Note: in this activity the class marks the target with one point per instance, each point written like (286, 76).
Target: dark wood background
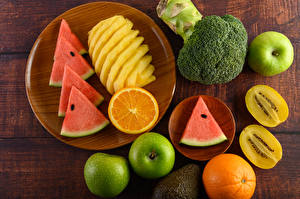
(33, 164)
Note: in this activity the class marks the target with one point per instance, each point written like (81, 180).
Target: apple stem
(152, 155)
(275, 53)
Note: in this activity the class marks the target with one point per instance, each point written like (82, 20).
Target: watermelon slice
(202, 129)
(73, 79)
(82, 116)
(66, 32)
(67, 54)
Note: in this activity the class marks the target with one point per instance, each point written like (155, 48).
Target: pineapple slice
(146, 81)
(123, 57)
(146, 73)
(105, 36)
(97, 31)
(114, 53)
(94, 30)
(119, 82)
(140, 67)
(113, 41)
(118, 55)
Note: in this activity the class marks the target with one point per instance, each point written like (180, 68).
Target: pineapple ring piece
(129, 66)
(113, 41)
(114, 54)
(124, 56)
(118, 54)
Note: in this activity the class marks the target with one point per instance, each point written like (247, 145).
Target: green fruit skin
(106, 175)
(260, 57)
(140, 151)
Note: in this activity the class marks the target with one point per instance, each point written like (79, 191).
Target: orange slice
(133, 110)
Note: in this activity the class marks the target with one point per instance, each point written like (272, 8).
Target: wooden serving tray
(44, 100)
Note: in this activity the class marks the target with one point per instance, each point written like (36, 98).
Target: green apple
(270, 53)
(106, 175)
(151, 156)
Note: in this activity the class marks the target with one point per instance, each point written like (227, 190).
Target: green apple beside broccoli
(270, 53)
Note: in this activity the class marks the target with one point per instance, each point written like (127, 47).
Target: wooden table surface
(33, 164)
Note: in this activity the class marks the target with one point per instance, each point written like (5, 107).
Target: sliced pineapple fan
(118, 55)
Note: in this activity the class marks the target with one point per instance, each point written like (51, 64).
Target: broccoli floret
(215, 52)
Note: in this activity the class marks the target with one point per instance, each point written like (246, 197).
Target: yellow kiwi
(266, 105)
(260, 146)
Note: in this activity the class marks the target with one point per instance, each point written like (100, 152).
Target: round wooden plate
(44, 100)
(180, 117)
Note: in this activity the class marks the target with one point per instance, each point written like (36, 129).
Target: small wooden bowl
(180, 117)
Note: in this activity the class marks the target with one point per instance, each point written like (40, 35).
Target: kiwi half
(266, 105)
(260, 146)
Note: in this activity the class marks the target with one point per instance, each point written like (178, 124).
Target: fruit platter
(180, 100)
(43, 82)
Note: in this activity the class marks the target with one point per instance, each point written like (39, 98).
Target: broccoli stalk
(180, 15)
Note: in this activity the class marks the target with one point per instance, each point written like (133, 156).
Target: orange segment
(133, 110)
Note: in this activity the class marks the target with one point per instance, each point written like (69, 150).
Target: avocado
(180, 184)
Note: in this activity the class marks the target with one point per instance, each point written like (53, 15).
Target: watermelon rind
(61, 114)
(211, 142)
(70, 79)
(55, 84)
(88, 74)
(83, 52)
(84, 76)
(99, 101)
(84, 133)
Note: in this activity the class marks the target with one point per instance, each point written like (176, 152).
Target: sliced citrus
(133, 110)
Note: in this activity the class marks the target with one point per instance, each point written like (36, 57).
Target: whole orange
(229, 176)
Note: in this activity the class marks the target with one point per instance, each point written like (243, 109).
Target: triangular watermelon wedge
(73, 79)
(66, 32)
(82, 116)
(67, 54)
(202, 129)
